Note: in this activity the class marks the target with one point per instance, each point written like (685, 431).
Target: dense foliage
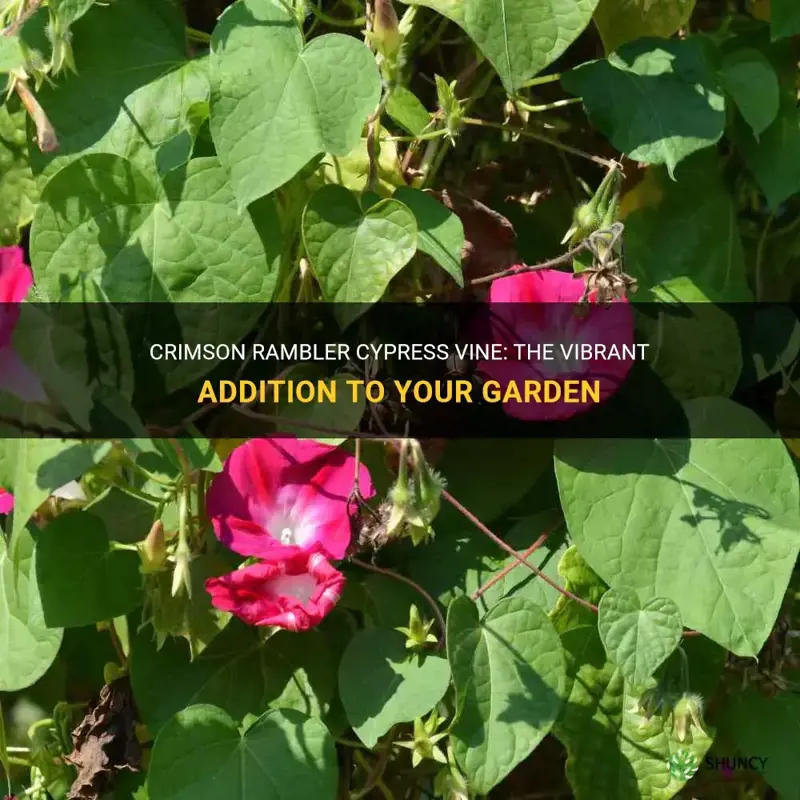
(269, 618)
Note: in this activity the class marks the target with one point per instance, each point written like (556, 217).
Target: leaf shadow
(730, 515)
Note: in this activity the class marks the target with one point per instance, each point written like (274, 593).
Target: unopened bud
(182, 577)
(386, 30)
(153, 550)
(688, 712)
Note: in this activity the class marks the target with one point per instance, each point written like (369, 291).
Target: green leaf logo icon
(682, 765)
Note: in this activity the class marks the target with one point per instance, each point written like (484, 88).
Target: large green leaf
(27, 646)
(774, 158)
(441, 233)
(134, 87)
(275, 103)
(767, 727)
(509, 673)
(638, 637)
(751, 81)
(785, 18)
(615, 751)
(657, 100)
(622, 21)
(288, 671)
(20, 194)
(356, 250)
(82, 579)
(381, 683)
(33, 468)
(102, 223)
(686, 519)
(519, 37)
(689, 233)
(201, 755)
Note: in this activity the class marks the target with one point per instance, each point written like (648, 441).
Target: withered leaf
(105, 742)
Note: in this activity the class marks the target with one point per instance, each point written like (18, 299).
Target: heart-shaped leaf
(201, 755)
(510, 677)
(133, 89)
(82, 579)
(356, 251)
(102, 221)
(657, 100)
(519, 37)
(638, 638)
(441, 232)
(622, 21)
(684, 519)
(27, 646)
(752, 82)
(275, 103)
(381, 683)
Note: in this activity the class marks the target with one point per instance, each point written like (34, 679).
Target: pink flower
(278, 497)
(295, 594)
(537, 308)
(6, 501)
(15, 281)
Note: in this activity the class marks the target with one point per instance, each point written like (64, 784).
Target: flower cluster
(285, 503)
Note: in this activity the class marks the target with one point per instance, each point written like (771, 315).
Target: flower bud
(418, 633)
(182, 576)
(688, 712)
(153, 550)
(385, 30)
(430, 485)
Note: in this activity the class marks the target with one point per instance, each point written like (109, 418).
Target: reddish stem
(513, 565)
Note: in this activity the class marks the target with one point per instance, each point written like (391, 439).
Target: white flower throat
(290, 522)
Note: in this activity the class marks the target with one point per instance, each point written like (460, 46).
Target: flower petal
(271, 485)
(6, 501)
(295, 594)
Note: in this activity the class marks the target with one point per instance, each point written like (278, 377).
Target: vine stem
(15, 26)
(556, 76)
(481, 590)
(403, 579)
(539, 137)
(569, 101)
(521, 559)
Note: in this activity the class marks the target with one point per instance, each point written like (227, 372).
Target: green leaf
(33, 468)
(614, 750)
(103, 223)
(407, 111)
(441, 233)
(785, 19)
(689, 233)
(638, 638)
(20, 193)
(288, 671)
(68, 11)
(750, 79)
(11, 56)
(767, 727)
(344, 414)
(355, 252)
(201, 752)
(275, 103)
(352, 170)
(82, 579)
(657, 100)
(509, 675)
(774, 158)
(622, 21)
(133, 90)
(684, 519)
(381, 683)
(27, 646)
(460, 560)
(518, 37)
(694, 344)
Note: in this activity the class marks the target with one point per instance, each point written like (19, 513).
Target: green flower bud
(418, 633)
(688, 712)
(386, 30)
(153, 550)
